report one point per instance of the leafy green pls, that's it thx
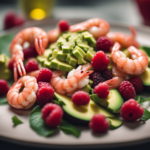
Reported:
(67, 128)
(61, 103)
(16, 121)
(95, 98)
(141, 99)
(146, 49)
(146, 115)
(3, 100)
(37, 123)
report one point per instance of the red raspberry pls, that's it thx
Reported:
(103, 44)
(4, 87)
(99, 123)
(107, 74)
(102, 90)
(100, 61)
(45, 94)
(10, 65)
(127, 90)
(131, 110)
(9, 20)
(30, 52)
(80, 98)
(63, 25)
(18, 21)
(44, 75)
(137, 84)
(40, 84)
(52, 114)
(96, 78)
(31, 66)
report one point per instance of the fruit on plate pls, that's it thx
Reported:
(83, 114)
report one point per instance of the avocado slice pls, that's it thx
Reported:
(53, 54)
(81, 61)
(87, 88)
(71, 60)
(41, 59)
(61, 56)
(48, 53)
(53, 46)
(2, 59)
(111, 61)
(89, 37)
(78, 52)
(89, 55)
(83, 114)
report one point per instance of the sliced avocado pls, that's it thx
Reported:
(81, 61)
(89, 37)
(60, 41)
(83, 114)
(61, 56)
(89, 55)
(84, 46)
(90, 82)
(71, 60)
(48, 53)
(68, 47)
(53, 46)
(66, 35)
(113, 102)
(2, 58)
(53, 54)
(78, 52)
(111, 61)
(57, 64)
(87, 88)
(47, 64)
(41, 59)
(145, 77)
(74, 36)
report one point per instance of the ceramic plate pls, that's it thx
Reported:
(127, 134)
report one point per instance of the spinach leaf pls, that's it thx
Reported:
(61, 103)
(146, 115)
(37, 123)
(3, 100)
(16, 121)
(67, 128)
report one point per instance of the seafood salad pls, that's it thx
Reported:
(74, 67)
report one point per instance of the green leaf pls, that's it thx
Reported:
(37, 123)
(141, 99)
(146, 115)
(3, 100)
(16, 121)
(95, 98)
(61, 103)
(147, 49)
(67, 128)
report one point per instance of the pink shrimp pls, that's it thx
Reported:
(32, 35)
(134, 66)
(23, 99)
(97, 27)
(124, 39)
(65, 86)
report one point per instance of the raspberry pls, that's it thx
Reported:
(31, 66)
(9, 20)
(80, 98)
(18, 21)
(52, 114)
(10, 65)
(44, 75)
(137, 84)
(30, 52)
(63, 25)
(4, 87)
(103, 44)
(100, 61)
(107, 74)
(45, 94)
(102, 90)
(96, 78)
(99, 123)
(131, 110)
(127, 90)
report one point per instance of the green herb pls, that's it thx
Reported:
(61, 103)
(16, 121)
(146, 49)
(3, 101)
(146, 115)
(67, 128)
(37, 123)
(141, 99)
(95, 98)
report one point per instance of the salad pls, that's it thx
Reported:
(80, 74)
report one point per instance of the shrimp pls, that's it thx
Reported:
(53, 35)
(32, 35)
(134, 66)
(124, 39)
(73, 82)
(97, 27)
(23, 98)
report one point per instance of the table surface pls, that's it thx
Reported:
(116, 10)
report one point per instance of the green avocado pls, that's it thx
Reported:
(78, 52)
(87, 88)
(61, 56)
(89, 55)
(89, 37)
(83, 114)
(41, 59)
(71, 60)
(145, 77)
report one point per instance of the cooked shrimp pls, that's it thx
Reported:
(73, 82)
(32, 35)
(97, 27)
(33, 73)
(23, 98)
(53, 35)
(124, 39)
(134, 66)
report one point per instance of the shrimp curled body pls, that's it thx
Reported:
(26, 98)
(31, 35)
(134, 66)
(97, 27)
(72, 83)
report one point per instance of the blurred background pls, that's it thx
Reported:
(131, 12)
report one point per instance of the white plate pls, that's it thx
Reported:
(127, 134)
